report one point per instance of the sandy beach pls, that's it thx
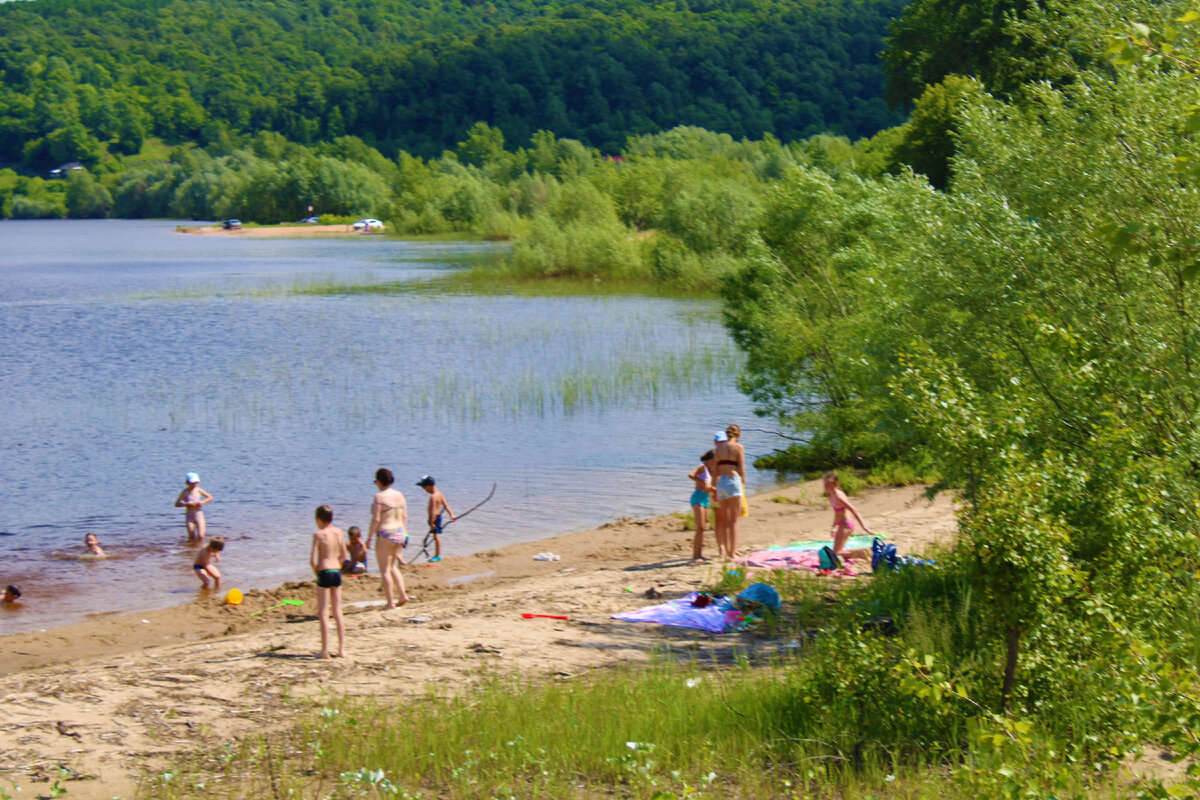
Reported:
(114, 697)
(277, 231)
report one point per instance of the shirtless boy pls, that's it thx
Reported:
(356, 561)
(206, 561)
(328, 554)
(193, 498)
(437, 504)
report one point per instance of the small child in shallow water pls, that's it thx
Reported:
(206, 562)
(11, 595)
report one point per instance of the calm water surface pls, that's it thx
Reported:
(131, 354)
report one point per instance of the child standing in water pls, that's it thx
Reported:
(206, 562)
(437, 504)
(701, 497)
(192, 498)
(328, 554)
(93, 545)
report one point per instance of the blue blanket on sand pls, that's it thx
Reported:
(854, 542)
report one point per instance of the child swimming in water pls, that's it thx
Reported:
(205, 565)
(11, 595)
(356, 561)
(93, 545)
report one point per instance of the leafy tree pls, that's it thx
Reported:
(86, 197)
(927, 143)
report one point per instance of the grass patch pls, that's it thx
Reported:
(491, 281)
(812, 706)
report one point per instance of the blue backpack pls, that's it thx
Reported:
(884, 556)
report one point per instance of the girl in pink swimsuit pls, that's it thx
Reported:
(842, 525)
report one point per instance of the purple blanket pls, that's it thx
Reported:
(715, 618)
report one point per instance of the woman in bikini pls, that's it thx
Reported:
(731, 485)
(842, 525)
(389, 515)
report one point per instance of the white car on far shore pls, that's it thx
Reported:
(368, 224)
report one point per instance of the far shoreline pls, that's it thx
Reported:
(275, 231)
(254, 231)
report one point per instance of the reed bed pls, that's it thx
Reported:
(499, 358)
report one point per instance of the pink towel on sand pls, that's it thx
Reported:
(800, 560)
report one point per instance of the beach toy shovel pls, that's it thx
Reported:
(278, 605)
(544, 616)
(234, 597)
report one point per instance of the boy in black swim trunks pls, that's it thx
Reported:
(205, 563)
(328, 554)
(437, 504)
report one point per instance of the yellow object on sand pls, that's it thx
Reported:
(745, 506)
(234, 597)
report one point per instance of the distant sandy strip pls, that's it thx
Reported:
(276, 231)
(116, 696)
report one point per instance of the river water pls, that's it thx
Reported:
(284, 372)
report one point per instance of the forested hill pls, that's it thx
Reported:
(416, 74)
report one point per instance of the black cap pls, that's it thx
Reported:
(427, 480)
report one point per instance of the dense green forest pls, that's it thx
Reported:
(83, 79)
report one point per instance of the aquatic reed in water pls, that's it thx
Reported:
(398, 358)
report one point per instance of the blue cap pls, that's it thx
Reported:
(720, 436)
(426, 480)
(192, 478)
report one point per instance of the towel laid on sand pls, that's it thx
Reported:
(717, 617)
(797, 560)
(853, 543)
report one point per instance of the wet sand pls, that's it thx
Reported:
(116, 696)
